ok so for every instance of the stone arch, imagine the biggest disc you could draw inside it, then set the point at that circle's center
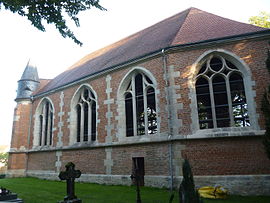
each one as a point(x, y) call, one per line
point(37, 126)
point(72, 114)
point(125, 82)
point(247, 79)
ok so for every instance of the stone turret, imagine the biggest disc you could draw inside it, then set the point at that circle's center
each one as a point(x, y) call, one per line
point(17, 161)
point(28, 83)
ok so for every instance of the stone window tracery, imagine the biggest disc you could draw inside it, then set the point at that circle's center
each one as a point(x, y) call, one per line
point(86, 116)
point(220, 92)
point(140, 106)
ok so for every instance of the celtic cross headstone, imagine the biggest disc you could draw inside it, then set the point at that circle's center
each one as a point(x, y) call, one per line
point(70, 174)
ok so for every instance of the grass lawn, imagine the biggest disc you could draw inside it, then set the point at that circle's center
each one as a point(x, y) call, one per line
point(33, 190)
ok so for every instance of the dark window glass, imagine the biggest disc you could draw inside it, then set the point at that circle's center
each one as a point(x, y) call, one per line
point(46, 122)
point(139, 105)
point(93, 124)
point(216, 64)
point(221, 102)
point(85, 124)
point(78, 123)
point(203, 68)
point(40, 129)
point(129, 115)
point(204, 104)
point(230, 65)
point(51, 124)
point(151, 111)
point(239, 103)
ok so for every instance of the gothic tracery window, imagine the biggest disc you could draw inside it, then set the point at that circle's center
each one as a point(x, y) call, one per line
point(140, 106)
point(45, 124)
point(221, 99)
point(86, 116)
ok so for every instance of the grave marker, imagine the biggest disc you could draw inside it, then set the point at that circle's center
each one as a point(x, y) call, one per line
point(70, 175)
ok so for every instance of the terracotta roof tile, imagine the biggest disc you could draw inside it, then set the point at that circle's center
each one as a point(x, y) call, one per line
point(191, 25)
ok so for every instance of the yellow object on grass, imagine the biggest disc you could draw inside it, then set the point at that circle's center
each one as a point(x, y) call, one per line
point(217, 192)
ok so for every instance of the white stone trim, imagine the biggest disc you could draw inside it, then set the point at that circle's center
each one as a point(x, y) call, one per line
point(109, 114)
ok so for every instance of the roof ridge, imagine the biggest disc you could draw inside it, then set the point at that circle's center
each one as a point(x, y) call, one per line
point(188, 12)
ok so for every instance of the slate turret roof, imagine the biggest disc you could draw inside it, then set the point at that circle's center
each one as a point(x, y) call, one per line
point(189, 26)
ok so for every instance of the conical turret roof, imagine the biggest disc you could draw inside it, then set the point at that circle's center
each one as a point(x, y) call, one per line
point(30, 72)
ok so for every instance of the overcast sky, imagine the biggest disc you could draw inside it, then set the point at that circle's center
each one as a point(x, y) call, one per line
point(52, 54)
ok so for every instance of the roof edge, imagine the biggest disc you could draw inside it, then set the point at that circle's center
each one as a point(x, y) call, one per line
point(226, 39)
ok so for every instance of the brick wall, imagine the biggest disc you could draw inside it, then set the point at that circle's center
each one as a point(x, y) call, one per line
point(42, 161)
point(227, 156)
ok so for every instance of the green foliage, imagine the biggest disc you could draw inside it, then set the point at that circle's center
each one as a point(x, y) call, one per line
point(262, 20)
point(266, 111)
point(52, 12)
point(187, 191)
point(4, 158)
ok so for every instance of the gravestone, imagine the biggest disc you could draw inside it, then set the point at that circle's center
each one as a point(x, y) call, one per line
point(8, 196)
point(69, 175)
point(136, 178)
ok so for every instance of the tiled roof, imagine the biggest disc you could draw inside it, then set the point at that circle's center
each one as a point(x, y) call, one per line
point(189, 26)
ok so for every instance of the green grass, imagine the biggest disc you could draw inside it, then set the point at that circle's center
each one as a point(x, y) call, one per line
point(33, 190)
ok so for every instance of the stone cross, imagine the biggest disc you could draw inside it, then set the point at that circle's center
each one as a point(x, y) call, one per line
point(69, 175)
point(135, 176)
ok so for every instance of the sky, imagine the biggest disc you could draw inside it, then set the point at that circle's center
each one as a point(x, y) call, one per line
point(52, 54)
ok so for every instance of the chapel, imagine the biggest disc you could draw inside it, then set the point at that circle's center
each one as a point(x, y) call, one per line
point(188, 87)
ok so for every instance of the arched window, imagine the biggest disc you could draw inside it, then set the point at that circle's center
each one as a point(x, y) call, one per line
point(140, 106)
point(220, 92)
point(45, 120)
point(86, 116)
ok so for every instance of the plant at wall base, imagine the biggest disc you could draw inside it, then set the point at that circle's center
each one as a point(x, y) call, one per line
point(266, 110)
point(4, 158)
point(187, 191)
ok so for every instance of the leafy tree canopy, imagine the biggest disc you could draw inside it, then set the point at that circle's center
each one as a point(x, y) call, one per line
point(262, 20)
point(52, 12)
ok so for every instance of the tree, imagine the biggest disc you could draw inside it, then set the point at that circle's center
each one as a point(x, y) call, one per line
point(266, 110)
point(52, 12)
point(4, 158)
point(262, 20)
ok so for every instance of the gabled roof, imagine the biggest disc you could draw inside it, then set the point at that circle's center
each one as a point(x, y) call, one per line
point(189, 26)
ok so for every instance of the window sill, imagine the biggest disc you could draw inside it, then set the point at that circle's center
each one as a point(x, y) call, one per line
point(225, 132)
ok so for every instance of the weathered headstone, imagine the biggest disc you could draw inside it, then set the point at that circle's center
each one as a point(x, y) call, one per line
point(70, 175)
point(8, 196)
point(136, 178)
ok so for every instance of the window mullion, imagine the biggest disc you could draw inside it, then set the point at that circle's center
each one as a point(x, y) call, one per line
point(229, 101)
point(49, 125)
point(134, 103)
point(43, 125)
point(89, 121)
point(212, 103)
point(145, 109)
